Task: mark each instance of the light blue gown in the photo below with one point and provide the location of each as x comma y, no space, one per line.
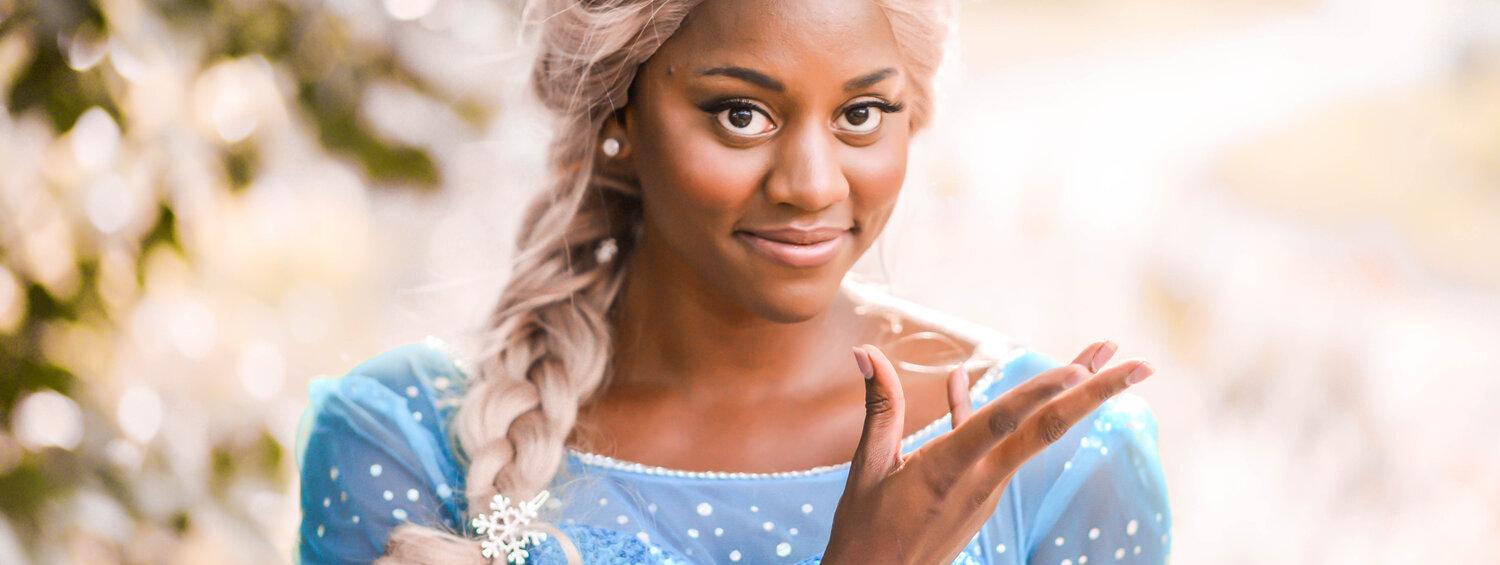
374,451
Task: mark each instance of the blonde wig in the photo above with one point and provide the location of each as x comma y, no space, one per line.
548,340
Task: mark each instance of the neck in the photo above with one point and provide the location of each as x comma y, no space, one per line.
678,334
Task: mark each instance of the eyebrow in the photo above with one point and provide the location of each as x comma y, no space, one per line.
751,76
869,79
763,80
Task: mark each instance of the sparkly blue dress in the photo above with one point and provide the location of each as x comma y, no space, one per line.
374,451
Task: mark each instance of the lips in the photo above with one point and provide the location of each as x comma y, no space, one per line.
798,236
797,248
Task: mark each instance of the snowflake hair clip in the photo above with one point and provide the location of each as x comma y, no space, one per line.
505,528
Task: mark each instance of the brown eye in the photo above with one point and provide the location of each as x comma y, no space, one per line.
857,116
740,117
863,118
745,119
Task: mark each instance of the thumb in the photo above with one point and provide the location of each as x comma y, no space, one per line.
879,450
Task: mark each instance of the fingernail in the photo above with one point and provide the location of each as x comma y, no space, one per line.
1100,355
862,359
1140,373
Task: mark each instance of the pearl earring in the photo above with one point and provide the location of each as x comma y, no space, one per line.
611,147
606,250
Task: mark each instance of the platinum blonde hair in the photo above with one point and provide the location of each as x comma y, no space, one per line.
548,340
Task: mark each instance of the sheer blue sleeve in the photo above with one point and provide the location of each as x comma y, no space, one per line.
1098,495
372,455
1108,501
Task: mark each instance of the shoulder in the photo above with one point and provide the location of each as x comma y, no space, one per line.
374,450
417,381
422,370
1108,463
1101,485
408,389
1105,468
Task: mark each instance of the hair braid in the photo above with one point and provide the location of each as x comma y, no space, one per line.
548,338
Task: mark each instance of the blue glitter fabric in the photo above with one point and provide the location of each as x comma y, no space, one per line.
375,451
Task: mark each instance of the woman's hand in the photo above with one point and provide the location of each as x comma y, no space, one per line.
925,507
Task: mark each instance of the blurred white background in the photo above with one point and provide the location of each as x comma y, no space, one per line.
1292,207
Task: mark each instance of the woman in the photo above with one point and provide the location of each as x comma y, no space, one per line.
669,375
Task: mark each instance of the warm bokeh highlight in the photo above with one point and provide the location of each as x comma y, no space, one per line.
1291,207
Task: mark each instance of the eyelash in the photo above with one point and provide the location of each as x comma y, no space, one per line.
713,108
887,107
730,103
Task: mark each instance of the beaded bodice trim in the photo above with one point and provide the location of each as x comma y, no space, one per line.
990,347
604,461
976,392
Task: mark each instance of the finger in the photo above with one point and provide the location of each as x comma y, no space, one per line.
879,448
997,420
958,395
1053,420
1096,355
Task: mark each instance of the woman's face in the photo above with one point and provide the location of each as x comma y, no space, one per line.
761,126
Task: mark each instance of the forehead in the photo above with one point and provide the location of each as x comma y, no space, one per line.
792,39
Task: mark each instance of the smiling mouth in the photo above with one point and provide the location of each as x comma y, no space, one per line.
798,250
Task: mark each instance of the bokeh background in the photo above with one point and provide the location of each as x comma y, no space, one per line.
1292,207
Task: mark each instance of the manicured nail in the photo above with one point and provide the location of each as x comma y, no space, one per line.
862,358
1140,373
1102,354
960,376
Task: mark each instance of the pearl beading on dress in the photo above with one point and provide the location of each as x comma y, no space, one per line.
976,393
333,515
608,462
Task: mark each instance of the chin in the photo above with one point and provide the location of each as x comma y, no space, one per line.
789,302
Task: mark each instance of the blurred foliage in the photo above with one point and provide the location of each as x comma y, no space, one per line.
57,74
330,70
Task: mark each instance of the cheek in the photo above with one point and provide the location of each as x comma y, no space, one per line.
875,175
692,172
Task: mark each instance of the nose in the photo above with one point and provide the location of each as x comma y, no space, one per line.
806,173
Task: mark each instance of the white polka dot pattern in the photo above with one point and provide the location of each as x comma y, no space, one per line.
1108,508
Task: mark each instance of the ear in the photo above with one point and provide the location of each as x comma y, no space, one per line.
619,169
615,128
